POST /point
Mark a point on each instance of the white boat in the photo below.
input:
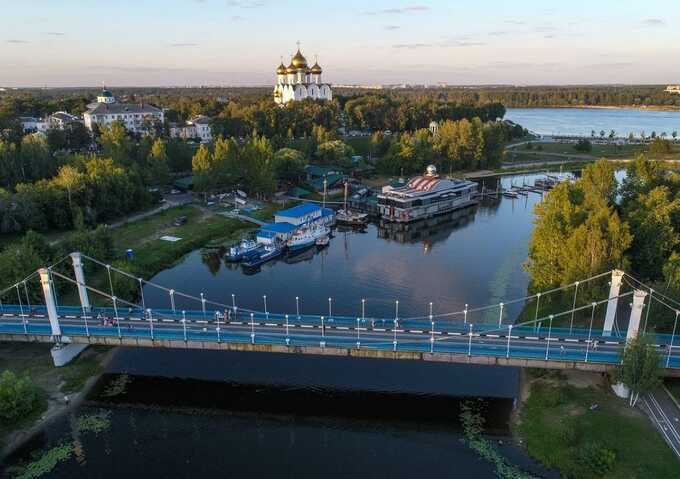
(323, 241)
(306, 237)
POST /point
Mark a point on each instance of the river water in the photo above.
(206, 414)
(582, 121)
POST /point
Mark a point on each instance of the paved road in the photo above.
(406, 335)
(664, 412)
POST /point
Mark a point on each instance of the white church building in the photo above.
(298, 81)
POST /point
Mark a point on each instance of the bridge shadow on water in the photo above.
(309, 386)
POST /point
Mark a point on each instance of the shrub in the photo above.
(583, 146)
(593, 460)
(18, 397)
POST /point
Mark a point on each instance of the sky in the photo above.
(240, 42)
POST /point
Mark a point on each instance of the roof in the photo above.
(121, 108)
(282, 227)
(62, 115)
(316, 170)
(184, 183)
(106, 93)
(299, 192)
(330, 181)
(200, 120)
(299, 210)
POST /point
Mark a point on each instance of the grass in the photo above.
(522, 154)
(673, 386)
(360, 144)
(35, 360)
(561, 431)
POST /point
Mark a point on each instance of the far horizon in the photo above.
(211, 43)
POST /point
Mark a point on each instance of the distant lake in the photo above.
(581, 121)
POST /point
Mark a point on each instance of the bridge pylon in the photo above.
(613, 302)
(50, 303)
(639, 297)
(77, 260)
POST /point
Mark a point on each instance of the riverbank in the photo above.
(60, 388)
(152, 253)
(575, 423)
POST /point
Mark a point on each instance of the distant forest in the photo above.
(210, 100)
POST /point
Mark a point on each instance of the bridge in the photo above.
(456, 336)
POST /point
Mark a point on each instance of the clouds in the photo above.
(16, 41)
(399, 11)
(392, 27)
(654, 22)
(183, 45)
(55, 34)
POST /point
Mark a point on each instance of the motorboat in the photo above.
(242, 250)
(322, 241)
(307, 236)
(267, 253)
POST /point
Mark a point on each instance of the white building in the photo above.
(197, 127)
(61, 120)
(32, 125)
(137, 117)
(673, 89)
(297, 82)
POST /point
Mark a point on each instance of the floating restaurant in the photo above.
(425, 196)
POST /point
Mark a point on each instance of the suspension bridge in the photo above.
(542, 341)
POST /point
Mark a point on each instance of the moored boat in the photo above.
(323, 241)
(267, 253)
(240, 251)
(306, 237)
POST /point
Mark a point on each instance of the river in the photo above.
(207, 413)
(582, 121)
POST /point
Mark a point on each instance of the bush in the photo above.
(592, 460)
(583, 146)
(18, 397)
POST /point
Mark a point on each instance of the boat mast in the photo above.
(345, 205)
(325, 185)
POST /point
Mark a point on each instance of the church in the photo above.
(298, 81)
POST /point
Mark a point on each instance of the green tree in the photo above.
(201, 167)
(660, 147)
(640, 368)
(655, 237)
(578, 233)
(334, 152)
(18, 397)
(289, 165)
(157, 171)
(116, 144)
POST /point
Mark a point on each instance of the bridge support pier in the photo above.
(50, 304)
(80, 278)
(61, 353)
(612, 304)
(639, 297)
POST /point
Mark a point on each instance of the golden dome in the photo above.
(291, 69)
(316, 69)
(299, 61)
(281, 70)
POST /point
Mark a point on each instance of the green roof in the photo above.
(299, 192)
(185, 183)
(319, 171)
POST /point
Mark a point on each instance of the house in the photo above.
(315, 172)
(275, 232)
(197, 127)
(61, 120)
(305, 213)
(137, 117)
(33, 125)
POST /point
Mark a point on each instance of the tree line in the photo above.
(597, 224)
(456, 145)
